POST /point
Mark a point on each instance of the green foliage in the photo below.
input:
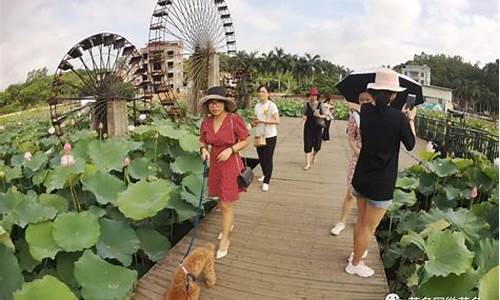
(293, 107)
(475, 88)
(124, 213)
(442, 237)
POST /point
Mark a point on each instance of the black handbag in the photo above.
(246, 174)
(245, 178)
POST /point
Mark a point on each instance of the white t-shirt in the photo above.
(264, 112)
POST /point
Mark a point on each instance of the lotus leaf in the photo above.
(65, 266)
(37, 161)
(402, 198)
(11, 277)
(144, 199)
(118, 240)
(187, 163)
(41, 241)
(141, 168)
(101, 280)
(48, 287)
(449, 286)
(54, 201)
(153, 243)
(488, 285)
(189, 143)
(447, 253)
(407, 183)
(104, 186)
(109, 154)
(76, 231)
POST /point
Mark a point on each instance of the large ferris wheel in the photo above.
(191, 30)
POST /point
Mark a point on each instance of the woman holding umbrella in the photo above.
(383, 128)
(314, 113)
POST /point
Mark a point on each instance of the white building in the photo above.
(437, 95)
(421, 74)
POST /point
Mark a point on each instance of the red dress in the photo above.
(222, 176)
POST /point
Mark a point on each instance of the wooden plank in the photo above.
(281, 247)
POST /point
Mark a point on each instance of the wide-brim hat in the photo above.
(386, 79)
(313, 91)
(216, 93)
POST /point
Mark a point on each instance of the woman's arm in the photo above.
(355, 149)
(275, 120)
(224, 155)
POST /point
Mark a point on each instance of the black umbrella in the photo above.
(355, 83)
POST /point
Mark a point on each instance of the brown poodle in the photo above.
(200, 261)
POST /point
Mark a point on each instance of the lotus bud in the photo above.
(27, 155)
(78, 114)
(104, 135)
(101, 126)
(142, 117)
(131, 127)
(2, 127)
(473, 192)
(429, 147)
(495, 162)
(126, 162)
(52, 130)
(67, 148)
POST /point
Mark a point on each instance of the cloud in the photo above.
(356, 33)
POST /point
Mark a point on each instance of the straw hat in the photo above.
(386, 79)
(217, 93)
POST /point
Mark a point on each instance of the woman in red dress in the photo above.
(226, 134)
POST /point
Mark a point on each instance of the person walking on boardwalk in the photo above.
(383, 128)
(314, 114)
(267, 117)
(329, 119)
(354, 138)
(226, 134)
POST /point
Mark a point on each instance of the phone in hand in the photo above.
(410, 101)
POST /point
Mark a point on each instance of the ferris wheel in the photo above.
(190, 30)
(98, 72)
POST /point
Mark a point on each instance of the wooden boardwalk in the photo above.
(281, 247)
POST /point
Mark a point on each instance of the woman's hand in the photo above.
(410, 114)
(205, 155)
(224, 155)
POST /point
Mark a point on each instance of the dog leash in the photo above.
(189, 275)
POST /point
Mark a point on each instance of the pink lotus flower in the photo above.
(67, 159)
(126, 162)
(473, 192)
(27, 155)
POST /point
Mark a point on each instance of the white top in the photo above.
(264, 112)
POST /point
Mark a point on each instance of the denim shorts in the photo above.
(374, 203)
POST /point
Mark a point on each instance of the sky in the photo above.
(358, 34)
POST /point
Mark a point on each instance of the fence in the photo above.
(456, 138)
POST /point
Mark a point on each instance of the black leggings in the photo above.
(266, 154)
(326, 130)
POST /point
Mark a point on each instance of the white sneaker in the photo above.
(349, 260)
(261, 179)
(337, 229)
(265, 187)
(361, 270)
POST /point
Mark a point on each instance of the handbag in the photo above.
(259, 141)
(246, 174)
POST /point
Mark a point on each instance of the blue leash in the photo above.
(200, 210)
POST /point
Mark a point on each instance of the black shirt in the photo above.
(381, 133)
